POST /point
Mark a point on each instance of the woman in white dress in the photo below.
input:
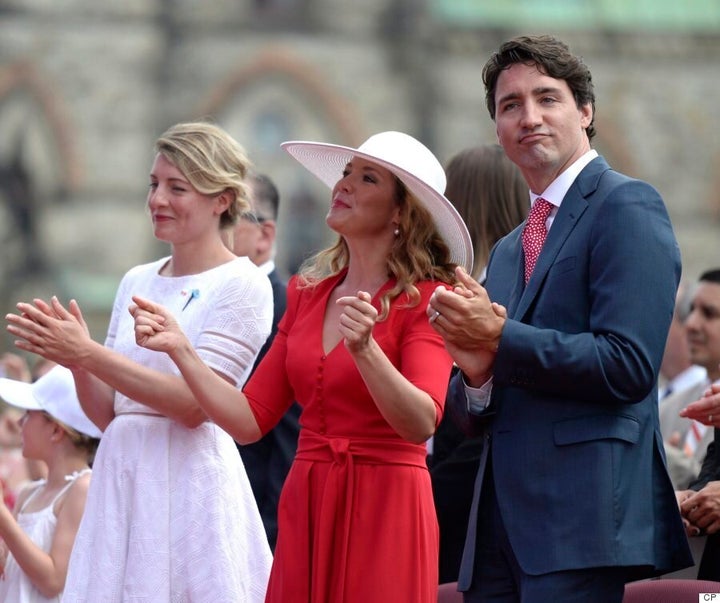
(38, 535)
(170, 513)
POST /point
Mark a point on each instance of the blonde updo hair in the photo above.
(212, 161)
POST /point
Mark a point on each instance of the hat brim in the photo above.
(53, 393)
(327, 162)
(19, 394)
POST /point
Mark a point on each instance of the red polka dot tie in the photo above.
(534, 234)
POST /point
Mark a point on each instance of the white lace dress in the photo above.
(40, 525)
(170, 516)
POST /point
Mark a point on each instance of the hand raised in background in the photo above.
(706, 409)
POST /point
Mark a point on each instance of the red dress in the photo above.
(356, 520)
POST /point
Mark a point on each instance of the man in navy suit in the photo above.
(268, 460)
(573, 498)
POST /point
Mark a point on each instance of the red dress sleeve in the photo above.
(268, 390)
(425, 362)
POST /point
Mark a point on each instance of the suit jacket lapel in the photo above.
(572, 208)
(515, 241)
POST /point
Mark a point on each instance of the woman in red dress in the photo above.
(356, 350)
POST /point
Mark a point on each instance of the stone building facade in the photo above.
(86, 87)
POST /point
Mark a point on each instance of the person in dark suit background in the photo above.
(687, 440)
(677, 371)
(268, 460)
(700, 504)
(560, 363)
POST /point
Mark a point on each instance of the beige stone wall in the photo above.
(85, 87)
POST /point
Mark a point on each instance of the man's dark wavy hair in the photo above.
(711, 276)
(552, 57)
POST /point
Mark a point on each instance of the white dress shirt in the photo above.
(478, 398)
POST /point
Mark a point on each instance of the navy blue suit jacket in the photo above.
(576, 450)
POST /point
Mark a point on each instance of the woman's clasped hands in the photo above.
(50, 330)
(357, 320)
(155, 327)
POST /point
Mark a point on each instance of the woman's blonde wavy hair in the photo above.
(212, 161)
(419, 253)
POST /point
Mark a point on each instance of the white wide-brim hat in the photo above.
(54, 393)
(411, 161)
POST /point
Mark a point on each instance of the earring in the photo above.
(396, 232)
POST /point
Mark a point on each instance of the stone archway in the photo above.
(37, 167)
(277, 97)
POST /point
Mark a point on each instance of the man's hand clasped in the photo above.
(470, 324)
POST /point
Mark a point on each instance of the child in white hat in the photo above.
(38, 536)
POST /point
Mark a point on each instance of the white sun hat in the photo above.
(54, 393)
(412, 162)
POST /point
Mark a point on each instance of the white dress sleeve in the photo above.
(237, 324)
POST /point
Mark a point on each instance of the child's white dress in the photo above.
(16, 587)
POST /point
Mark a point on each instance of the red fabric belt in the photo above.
(371, 451)
(330, 556)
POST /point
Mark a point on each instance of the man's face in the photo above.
(246, 235)
(703, 328)
(539, 124)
